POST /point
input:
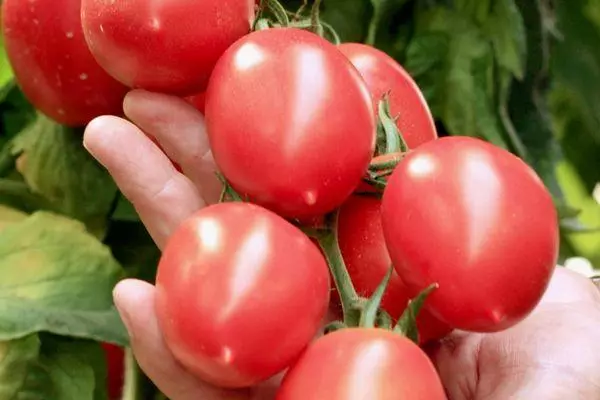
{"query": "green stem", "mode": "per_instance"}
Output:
(227, 190)
(278, 11)
(261, 24)
(7, 161)
(384, 165)
(395, 143)
(348, 296)
(315, 19)
(378, 184)
(131, 390)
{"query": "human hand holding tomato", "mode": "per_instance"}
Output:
(551, 353)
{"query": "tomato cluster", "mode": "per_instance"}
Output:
(332, 168)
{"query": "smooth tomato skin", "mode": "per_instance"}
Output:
(198, 101)
(289, 121)
(382, 74)
(240, 294)
(168, 46)
(52, 64)
(363, 248)
(478, 221)
(115, 362)
(357, 364)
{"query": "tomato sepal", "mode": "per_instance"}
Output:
(407, 324)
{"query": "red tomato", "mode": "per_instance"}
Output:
(168, 46)
(363, 248)
(478, 221)
(115, 361)
(290, 122)
(197, 101)
(240, 294)
(52, 63)
(382, 74)
(358, 363)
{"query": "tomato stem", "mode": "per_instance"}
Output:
(278, 11)
(387, 164)
(407, 324)
(369, 315)
(315, 18)
(227, 190)
(351, 301)
(394, 142)
(131, 390)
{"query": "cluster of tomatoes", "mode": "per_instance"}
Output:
(332, 168)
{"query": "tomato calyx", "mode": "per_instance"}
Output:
(359, 311)
(272, 14)
(389, 137)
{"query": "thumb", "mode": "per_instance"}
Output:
(135, 302)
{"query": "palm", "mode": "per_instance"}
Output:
(537, 359)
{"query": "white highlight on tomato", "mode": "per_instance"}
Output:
(210, 233)
(248, 56)
(482, 190)
(310, 197)
(227, 355)
(372, 357)
(246, 268)
(306, 95)
(421, 166)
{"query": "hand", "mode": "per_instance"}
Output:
(551, 355)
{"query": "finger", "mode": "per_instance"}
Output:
(135, 301)
(455, 358)
(569, 287)
(181, 132)
(161, 195)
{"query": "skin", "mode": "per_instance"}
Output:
(551, 355)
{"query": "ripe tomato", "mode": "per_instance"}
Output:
(52, 63)
(166, 46)
(198, 101)
(359, 363)
(240, 294)
(115, 361)
(382, 74)
(290, 121)
(478, 221)
(363, 248)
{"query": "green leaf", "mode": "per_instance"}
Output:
(348, 18)
(9, 216)
(5, 70)
(504, 26)
(56, 165)
(576, 57)
(46, 367)
(407, 324)
(55, 277)
(453, 62)
(528, 105)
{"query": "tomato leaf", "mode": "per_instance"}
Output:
(528, 104)
(55, 277)
(347, 18)
(407, 324)
(371, 310)
(40, 367)
(6, 74)
(505, 27)
(55, 165)
(458, 81)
